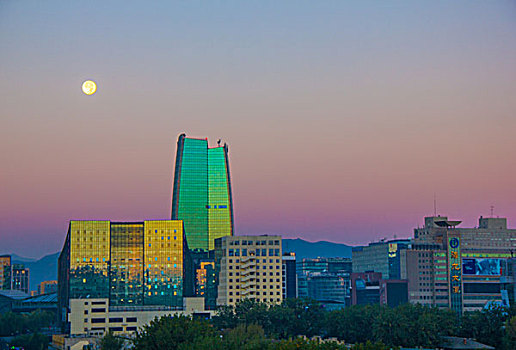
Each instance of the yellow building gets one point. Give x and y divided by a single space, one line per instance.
132 264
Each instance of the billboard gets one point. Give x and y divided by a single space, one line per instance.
482 267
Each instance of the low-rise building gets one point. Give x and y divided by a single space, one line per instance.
326 280
20 278
289 276
331 290
47 287
95 317
5 272
383 257
508 283
365 287
249 267
457 268
393 292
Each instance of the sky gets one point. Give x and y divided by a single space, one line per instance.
343 118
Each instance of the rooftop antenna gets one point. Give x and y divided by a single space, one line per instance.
435 206
492 210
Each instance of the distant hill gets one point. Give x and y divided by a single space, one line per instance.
44 269
21 259
311 250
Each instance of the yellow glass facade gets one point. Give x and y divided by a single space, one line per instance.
126 270
129 263
164 262
89 258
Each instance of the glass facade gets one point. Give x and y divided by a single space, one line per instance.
131 264
202 192
126 270
89 259
219 209
164 260
205 283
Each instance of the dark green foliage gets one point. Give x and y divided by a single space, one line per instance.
371 346
35 341
352 324
486 326
110 342
170 332
13 324
252 325
509 341
291 318
413 325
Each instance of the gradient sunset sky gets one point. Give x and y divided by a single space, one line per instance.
342 118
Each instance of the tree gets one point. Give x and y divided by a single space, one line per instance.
371 346
352 324
171 332
509 341
34 341
486 326
110 342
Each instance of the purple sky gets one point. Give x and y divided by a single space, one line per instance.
343 118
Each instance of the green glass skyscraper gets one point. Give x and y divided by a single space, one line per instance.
202 192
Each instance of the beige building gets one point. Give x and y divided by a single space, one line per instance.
454 267
250 267
94 317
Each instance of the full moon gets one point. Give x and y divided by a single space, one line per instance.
89 87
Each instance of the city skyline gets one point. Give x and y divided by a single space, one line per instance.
344 120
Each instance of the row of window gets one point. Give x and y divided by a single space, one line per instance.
257 293
245 242
272 267
257 252
264 299
271 261
258 280
258 274
111 329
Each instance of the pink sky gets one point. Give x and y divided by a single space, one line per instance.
342 120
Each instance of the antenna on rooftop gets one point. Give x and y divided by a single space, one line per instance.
492 210
435 206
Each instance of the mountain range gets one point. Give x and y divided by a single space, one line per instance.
45 269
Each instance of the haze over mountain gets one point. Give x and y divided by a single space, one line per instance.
311 250
45 269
